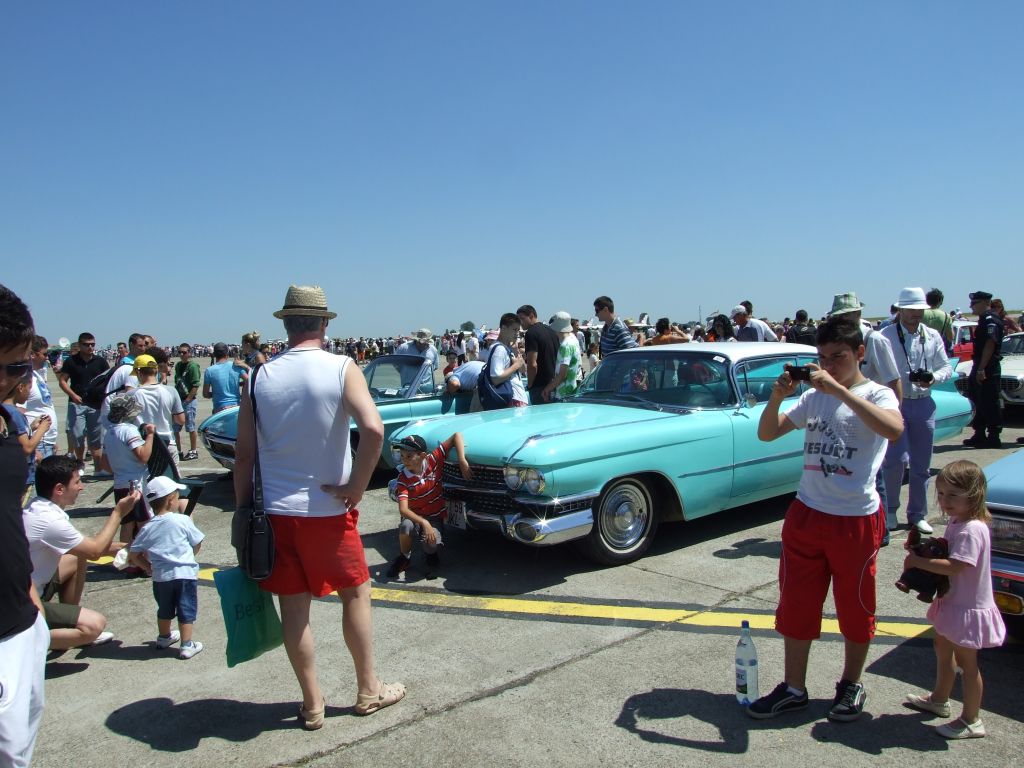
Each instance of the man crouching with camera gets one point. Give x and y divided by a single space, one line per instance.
921 358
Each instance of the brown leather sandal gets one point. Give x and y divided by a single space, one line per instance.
389 693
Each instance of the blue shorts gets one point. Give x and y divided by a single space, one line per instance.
190 418
177 597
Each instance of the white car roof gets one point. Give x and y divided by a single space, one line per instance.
734 350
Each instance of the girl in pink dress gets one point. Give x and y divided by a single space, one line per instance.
966 618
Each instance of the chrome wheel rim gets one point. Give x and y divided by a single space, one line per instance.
625 517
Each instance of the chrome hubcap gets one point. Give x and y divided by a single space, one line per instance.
624 517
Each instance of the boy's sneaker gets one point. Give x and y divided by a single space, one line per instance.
778 702
166 641
190 649
848 703
190 456
433 565
400 564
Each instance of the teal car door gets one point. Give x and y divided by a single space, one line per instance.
762 470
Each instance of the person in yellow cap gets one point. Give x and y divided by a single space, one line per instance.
161 405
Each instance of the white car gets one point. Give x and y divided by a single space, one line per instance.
1011 382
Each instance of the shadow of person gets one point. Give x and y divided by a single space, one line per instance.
640 715
872 735
757 547
169 727
56 669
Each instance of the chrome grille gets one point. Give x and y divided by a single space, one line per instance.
1010 384
491 478
505 504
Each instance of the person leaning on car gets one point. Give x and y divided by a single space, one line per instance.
983 384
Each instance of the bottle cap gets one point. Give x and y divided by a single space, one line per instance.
745 624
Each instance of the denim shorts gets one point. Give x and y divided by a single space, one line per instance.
190 418
177 597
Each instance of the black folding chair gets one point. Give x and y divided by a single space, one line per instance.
160 463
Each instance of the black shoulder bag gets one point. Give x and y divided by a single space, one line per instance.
251 533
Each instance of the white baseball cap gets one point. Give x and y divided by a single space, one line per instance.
161 486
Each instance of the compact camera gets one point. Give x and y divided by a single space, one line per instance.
921 376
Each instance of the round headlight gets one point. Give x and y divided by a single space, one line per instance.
513 478
534 481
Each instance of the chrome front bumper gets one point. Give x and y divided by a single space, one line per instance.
534 531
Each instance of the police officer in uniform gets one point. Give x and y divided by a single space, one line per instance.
983 384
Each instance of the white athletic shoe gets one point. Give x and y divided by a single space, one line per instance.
167 642
923 527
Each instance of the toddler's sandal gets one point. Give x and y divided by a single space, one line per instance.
389 693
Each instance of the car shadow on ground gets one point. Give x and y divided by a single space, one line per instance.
475 563
169 727
676 535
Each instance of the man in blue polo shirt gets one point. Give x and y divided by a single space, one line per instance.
614 335
222 379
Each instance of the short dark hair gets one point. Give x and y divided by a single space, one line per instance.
185 346
662 325
16 326
39 342
158 354
801 315
934 298
509 319
603 302
136 337
220 349
840 330
85 336
750 307
295 324
528 310
53 470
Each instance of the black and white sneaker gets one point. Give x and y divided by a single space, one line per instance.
848 704
399 565
778 702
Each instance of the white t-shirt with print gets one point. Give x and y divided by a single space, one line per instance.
159 403
841 454
499 359
50 534
119 444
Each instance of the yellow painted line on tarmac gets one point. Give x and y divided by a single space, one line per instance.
595 611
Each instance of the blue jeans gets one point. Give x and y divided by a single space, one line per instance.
178 597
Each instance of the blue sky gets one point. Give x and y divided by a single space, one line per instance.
172 167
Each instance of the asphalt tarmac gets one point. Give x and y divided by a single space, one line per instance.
517 657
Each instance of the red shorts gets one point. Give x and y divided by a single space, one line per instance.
818 548
319 555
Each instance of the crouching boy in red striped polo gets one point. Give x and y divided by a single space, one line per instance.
832 531
420 499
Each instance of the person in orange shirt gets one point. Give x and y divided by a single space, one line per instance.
666 334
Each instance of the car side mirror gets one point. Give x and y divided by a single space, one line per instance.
749 400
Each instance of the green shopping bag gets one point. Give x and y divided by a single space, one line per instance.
249 616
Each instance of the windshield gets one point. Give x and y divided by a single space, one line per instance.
680 379
1013 345
390 378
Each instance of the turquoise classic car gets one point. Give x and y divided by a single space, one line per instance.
1006 503
653 434
404 387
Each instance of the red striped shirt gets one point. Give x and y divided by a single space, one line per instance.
423 492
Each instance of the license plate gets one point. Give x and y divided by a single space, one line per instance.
457 514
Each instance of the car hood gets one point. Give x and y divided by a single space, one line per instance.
223 423
1005 484
545 435
1010 365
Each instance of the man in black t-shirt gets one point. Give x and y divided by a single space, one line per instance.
801 332
24 637
541 353
83 422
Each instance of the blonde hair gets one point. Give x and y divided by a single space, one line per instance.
967 476
252 338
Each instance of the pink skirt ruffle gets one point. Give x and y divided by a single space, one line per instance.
968 627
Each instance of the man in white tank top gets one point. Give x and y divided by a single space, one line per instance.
311 488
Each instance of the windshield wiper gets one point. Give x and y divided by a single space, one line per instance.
616 396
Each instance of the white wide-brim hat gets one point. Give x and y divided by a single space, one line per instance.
309 300
912 298
561 322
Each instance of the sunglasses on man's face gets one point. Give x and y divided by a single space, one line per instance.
87 343
18 370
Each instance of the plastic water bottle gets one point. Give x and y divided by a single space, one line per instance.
746 667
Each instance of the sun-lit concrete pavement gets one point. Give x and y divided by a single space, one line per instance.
516 656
